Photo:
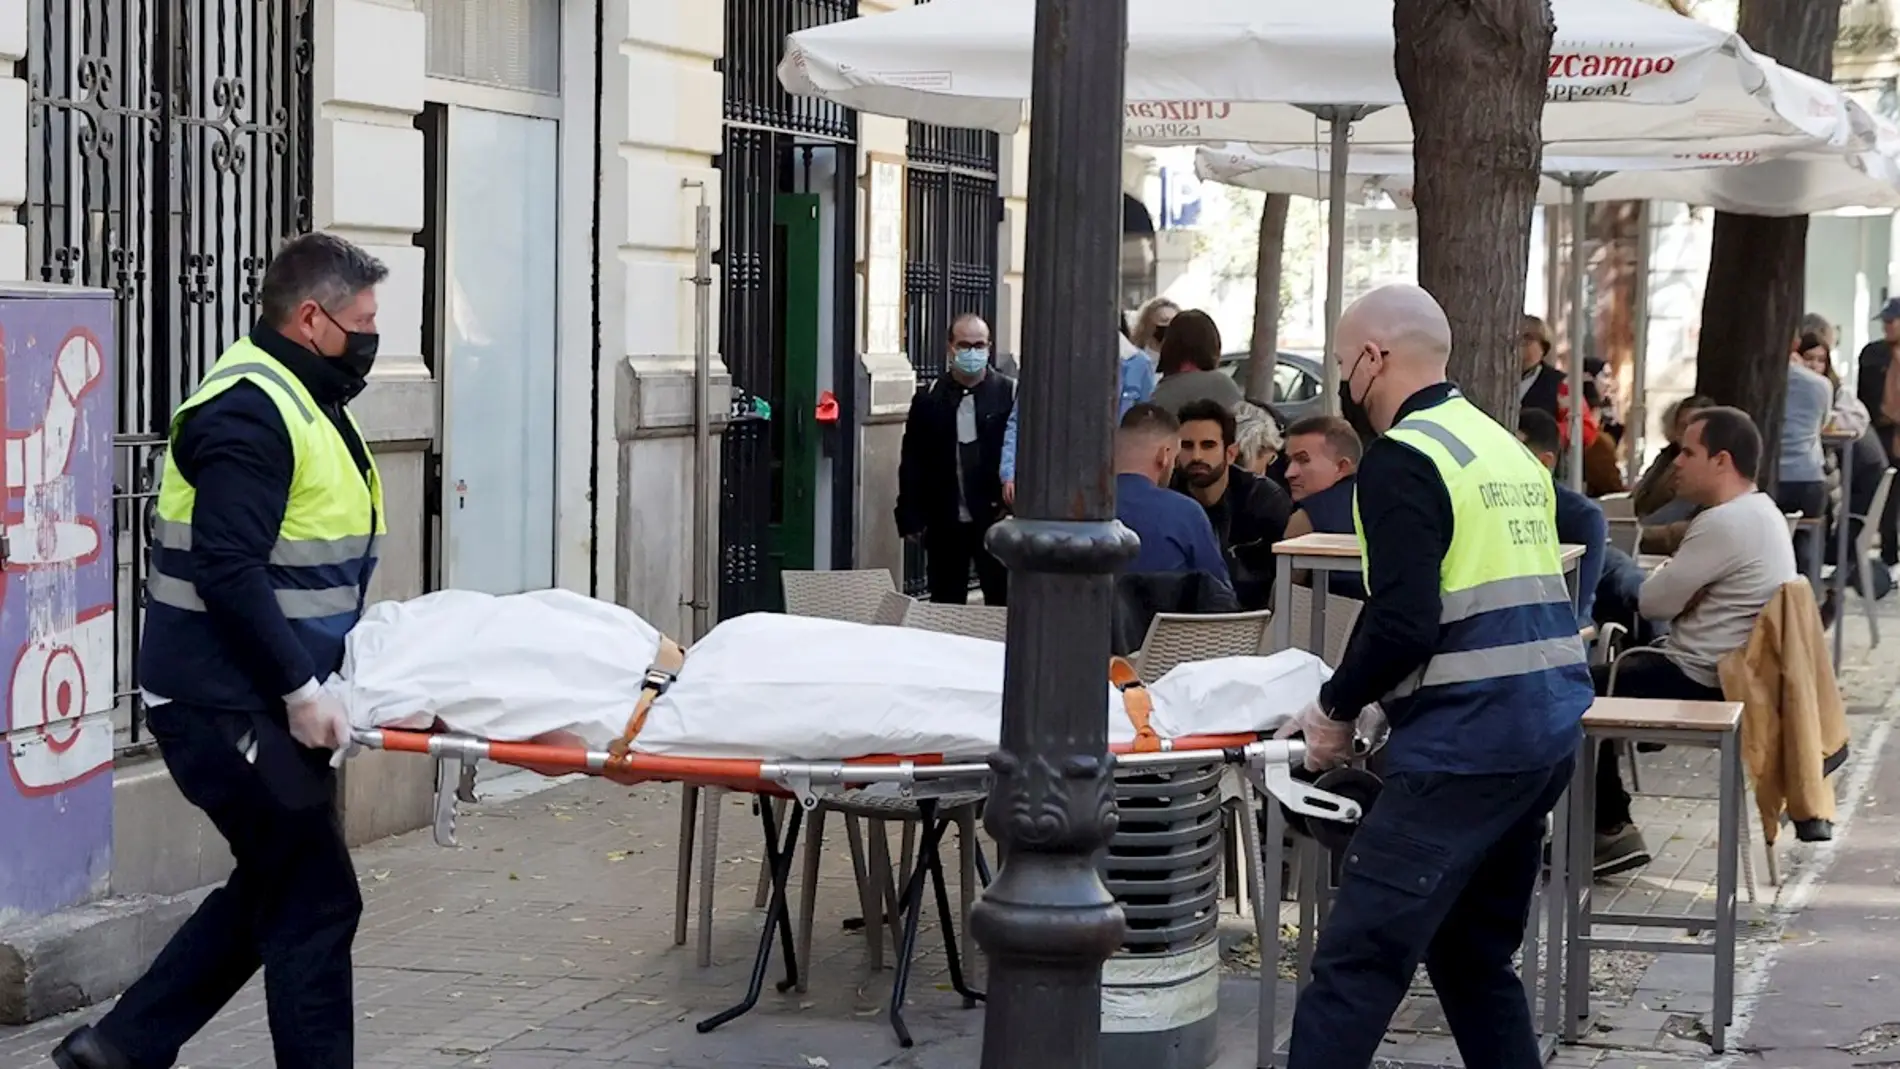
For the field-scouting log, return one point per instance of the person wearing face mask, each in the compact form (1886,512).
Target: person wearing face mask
(1468,642)
(269,518)
(949,469)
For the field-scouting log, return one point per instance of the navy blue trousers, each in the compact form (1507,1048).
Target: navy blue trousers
(290,907)
(1439,873)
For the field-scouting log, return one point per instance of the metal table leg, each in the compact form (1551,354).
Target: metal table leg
(1841,551)
(1556,893)
(1281,626)
(1263,863)
(1316,621)
(1576,1001)
(779,851)
(1729,844)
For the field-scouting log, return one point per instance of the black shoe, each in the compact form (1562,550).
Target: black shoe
(86,1049)
(1620,850)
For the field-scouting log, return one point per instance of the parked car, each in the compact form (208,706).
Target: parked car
(1297,383)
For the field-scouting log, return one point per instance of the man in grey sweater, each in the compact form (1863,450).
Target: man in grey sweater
(1736,555)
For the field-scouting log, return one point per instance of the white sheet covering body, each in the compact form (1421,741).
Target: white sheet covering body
(549,665)
(558,667)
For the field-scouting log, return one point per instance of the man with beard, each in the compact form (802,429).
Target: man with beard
(1248,512)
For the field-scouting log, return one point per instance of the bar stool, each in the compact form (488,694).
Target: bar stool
(1711,724)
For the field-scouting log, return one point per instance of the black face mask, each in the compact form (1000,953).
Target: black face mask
(359,349)
(1354,412)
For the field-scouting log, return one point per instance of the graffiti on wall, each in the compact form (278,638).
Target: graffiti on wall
(56,601)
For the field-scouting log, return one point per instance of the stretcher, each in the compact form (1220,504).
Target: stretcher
(1266,764)
(693,709)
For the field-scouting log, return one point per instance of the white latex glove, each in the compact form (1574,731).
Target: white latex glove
(319,721)
(1372,728)
(1328,741)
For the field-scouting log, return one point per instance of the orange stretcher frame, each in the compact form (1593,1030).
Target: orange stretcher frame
(743,774)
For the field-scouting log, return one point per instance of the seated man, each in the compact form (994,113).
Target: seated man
(1580,520)
(1175,534)
(1733,559)
(1248,512)
(1322,456)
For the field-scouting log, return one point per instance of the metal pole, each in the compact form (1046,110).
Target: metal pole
(1340,120)
(1047,923)
(705,490)
(1579,226)
(1637,420)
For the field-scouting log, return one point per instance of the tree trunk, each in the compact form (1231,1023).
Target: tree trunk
(1758,265)
(1474,73)
(1266,298)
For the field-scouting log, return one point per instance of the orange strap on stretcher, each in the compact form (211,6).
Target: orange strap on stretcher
(667,662)
(1136,702)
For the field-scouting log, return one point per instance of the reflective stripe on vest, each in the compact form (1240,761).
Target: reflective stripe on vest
(1505,609)
(326,542)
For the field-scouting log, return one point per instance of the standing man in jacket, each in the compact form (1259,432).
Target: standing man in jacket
(949,470)
(269,514)
(1469,643)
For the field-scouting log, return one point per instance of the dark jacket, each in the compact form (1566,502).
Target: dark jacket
(927,465)
(241,653)
(1330,512)
(1140,595)
(1871,386)
(1580,522)
(1543,391)
(1248,519)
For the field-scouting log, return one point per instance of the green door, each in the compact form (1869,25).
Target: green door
(795,449)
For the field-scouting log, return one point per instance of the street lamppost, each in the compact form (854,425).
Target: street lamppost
(1047,923)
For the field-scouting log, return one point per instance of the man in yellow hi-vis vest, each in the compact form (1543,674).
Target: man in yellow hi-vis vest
(1468,641)
(269,516)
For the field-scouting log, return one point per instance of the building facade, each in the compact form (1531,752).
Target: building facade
(532,172)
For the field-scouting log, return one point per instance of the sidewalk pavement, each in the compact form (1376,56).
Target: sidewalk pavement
(546,940)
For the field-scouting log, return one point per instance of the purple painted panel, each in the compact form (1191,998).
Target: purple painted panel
(56,600)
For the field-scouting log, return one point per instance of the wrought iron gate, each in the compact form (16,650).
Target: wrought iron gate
(952,213)
(774,143)
(168,154)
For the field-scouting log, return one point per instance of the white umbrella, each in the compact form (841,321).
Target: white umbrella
(1214,71)
(1746,183)
(1742,182)
(1623,76)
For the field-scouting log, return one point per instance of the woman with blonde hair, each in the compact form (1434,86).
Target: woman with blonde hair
(1151,325)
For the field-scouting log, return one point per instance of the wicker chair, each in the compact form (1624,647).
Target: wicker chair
(877,882)
(1618,506)
(855,596)
(1341,615)
(1863,550)
(1174,637)
(971,621)
(1625,533)
(892,608)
